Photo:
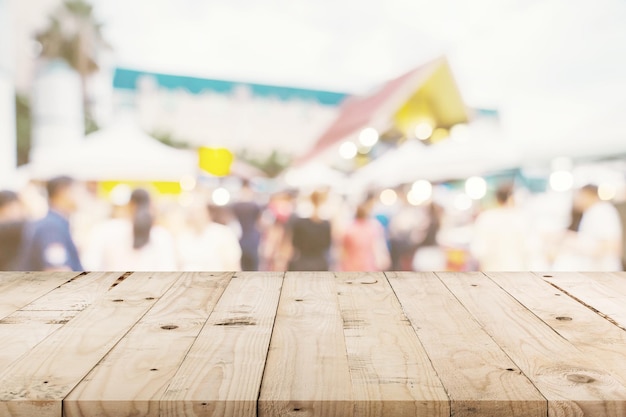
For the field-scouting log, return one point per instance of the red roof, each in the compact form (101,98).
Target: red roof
(359,112)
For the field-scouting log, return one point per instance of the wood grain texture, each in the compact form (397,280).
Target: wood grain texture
(479,377)
(221,374)
(591,333)
(37,383)
(77,293)
(21,288)
(23,329)
(573,383)
(312,344)
(307,371)
(150,354)
(604,292)
(390,371)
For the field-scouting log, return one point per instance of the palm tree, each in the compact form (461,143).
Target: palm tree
(75,36)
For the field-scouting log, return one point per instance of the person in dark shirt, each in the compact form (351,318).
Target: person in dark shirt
(47,244)
(12,222)
(248,213)
(311,240)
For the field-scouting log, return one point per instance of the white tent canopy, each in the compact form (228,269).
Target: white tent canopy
(121,152)
(314,175)
(443,161)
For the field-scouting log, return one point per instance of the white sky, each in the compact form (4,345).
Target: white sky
(556,69)
(497,47)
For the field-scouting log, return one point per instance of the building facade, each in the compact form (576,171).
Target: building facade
(236,115)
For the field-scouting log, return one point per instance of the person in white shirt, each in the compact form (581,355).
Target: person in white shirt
(597,244)
(132,242)
(500,235)
(207,245)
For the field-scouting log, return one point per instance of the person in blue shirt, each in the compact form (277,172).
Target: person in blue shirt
(47,244)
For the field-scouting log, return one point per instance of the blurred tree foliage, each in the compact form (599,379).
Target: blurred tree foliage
(74,35)
(168,139)
(272,165)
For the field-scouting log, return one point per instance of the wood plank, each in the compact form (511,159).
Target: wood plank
(592,334)
(28,326)
(307,369)
(36,384)
(221,375)
(602,291)
(479,377)
(615,280)
(150,354)
(22,330)
(390,371)
(78,293)
(21,288)
(573,383)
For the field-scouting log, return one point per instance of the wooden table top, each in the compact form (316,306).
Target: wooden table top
(312,344)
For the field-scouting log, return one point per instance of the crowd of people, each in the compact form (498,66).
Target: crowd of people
(319,230)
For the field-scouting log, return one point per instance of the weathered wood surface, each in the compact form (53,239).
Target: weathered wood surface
(312,344)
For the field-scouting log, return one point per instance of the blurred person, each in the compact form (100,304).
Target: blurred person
(131,242)
(275,247)
(499,240)
(12,224)
(561,249)
(248,213)
(225,216)
(310,239)
(207,245)
(405,230)
(34,199)
(620,204)
(429,256)
(596,245)
(364,247)
(47,244)
(93,210)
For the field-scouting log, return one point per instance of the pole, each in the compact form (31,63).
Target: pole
(8,142)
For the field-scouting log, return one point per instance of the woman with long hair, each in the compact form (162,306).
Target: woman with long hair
(132,242)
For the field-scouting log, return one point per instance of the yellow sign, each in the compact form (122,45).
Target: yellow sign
(215,161)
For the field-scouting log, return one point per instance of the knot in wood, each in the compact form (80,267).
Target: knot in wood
(580,378)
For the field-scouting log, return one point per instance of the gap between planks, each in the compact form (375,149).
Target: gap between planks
(580,301)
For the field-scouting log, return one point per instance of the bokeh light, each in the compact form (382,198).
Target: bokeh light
(220,196)
(423,131)
(561,181)
(607,191)
(420,192)
(476,187)
(120,194)
(460,133)
(187,183)
(368,136)
(388,197)
(348,150)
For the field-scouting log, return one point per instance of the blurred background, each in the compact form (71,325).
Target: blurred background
(301,134)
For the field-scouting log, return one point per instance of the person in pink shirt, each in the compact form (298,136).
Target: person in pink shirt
(364,247)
